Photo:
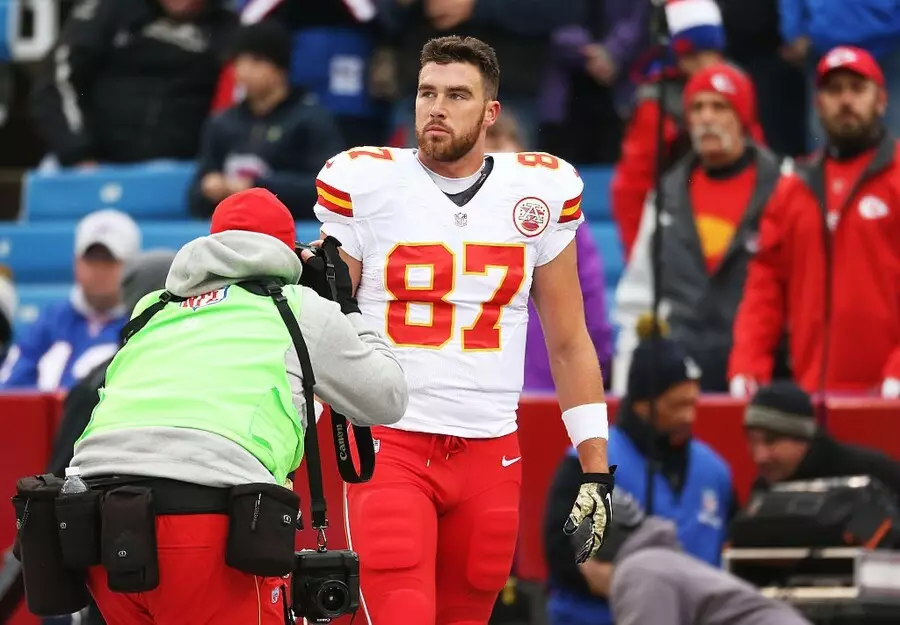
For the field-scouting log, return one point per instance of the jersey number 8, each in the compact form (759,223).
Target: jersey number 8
(484,333)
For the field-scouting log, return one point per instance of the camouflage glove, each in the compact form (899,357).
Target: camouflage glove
(591,514)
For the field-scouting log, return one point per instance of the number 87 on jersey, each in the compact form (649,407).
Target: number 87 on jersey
(438,274)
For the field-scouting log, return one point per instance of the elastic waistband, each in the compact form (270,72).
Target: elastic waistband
(171,496)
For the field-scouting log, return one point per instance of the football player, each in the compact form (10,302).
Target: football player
(445,245)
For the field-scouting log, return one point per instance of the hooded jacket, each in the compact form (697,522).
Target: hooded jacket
(356,371)
(685,591)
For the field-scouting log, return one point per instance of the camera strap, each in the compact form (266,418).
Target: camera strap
(363,435)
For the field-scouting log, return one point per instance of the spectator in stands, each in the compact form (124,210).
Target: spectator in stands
(518,31)
(753,42)
(787,444)
(697,40)
(691,482)
(504,136)
(588,81)
(812,28)
(71,337)
(649,580)
(277,138)
(131,80)
(828,265)
(341,50)
(712,202)
(8,304)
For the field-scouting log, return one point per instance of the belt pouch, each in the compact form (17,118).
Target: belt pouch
(78,522)
(51,588)
(128,539)
(261,529)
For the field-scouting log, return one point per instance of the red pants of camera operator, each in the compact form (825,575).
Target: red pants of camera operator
(435,528)
(195,584)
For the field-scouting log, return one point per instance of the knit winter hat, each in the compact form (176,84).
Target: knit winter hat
(729,82)
(694,26)
(734,85)
(255,210)
(267,40)
(666,364)
(782,408)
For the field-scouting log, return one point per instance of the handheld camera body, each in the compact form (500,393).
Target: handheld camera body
(325,584)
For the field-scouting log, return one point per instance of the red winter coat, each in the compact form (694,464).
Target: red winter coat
(858,334)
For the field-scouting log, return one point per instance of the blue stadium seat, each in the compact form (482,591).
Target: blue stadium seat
(42,252)
(32,298)
(7,8)
(595,203)
(147,191)
(606,236)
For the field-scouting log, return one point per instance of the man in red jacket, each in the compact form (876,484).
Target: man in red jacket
(697,40)
(828,265)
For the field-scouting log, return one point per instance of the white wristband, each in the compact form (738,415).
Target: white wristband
(586,421)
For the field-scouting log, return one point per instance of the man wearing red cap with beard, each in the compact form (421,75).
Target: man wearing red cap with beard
(828,266)
(713,199)
(207,395)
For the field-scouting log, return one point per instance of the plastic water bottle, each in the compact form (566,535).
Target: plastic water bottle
(73,484)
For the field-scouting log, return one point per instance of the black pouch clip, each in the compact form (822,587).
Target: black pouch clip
(51,587)
(262,522)
(128,540)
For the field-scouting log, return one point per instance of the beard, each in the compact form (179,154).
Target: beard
(848,129)
(446,148)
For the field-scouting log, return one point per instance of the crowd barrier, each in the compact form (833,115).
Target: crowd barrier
(29,422)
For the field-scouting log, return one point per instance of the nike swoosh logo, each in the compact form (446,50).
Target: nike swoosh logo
(509,462)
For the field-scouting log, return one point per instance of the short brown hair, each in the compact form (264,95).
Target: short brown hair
(455,49)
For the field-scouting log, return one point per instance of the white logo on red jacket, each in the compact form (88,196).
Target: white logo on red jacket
(871,207)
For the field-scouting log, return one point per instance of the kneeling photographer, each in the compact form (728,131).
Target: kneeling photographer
(185,512)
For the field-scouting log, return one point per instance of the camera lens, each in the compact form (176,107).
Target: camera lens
(333,598)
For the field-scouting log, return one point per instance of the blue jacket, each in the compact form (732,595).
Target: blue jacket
(61,347)
(699,511)
(873,25)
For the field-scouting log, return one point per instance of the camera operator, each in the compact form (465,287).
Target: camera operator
(203,415)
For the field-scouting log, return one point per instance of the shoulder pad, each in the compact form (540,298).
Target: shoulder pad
(556,178)
(352,173)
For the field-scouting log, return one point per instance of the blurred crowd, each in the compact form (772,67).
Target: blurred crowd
(770,127)
(756,137)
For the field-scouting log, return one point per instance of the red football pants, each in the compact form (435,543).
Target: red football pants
(195,584)
(435,528)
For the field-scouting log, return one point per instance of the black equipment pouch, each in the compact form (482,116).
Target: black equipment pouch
(128,539)
(262,521)
(51,588)
(78,522)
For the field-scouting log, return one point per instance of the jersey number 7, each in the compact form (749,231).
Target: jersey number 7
(484,333)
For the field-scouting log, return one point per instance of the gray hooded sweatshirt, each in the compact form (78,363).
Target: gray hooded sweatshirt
(654,582)
(356,371)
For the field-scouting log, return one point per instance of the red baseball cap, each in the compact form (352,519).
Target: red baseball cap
(852,59)
(255,210)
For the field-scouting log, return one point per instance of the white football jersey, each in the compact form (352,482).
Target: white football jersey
(448,284)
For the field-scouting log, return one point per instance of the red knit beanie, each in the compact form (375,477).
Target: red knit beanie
(732,84)
(255,210)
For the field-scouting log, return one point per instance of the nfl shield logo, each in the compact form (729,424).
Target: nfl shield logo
(461,220)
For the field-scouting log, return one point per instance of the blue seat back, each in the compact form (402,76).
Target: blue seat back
(7,20)
(606,236)
(42,252)
(152,191)
(595,203)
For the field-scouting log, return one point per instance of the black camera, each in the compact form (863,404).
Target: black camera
(325,584)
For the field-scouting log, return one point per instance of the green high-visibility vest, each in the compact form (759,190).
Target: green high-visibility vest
(215,363)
